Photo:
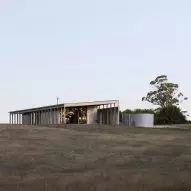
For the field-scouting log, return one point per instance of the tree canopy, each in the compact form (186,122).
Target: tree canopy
(164,93)
(170,115)
(167,97)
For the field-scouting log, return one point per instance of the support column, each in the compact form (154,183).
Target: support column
(118,116)
(35,118)
(50,117)
(56,116)
(14,119)
(31,118)
(39,117)
(98,113)
(53,116)
(55,122)
(61,115)
(46,118)
(78,115)
(20,119)
(17,118)
(9,118)
(110,114)
(101,116)
(107,115)
(114,115)
(64,114)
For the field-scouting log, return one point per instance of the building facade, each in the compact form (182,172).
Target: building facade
(100,112)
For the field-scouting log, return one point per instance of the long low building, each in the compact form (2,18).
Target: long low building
(100,112)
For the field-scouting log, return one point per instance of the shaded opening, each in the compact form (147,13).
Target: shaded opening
(76,115)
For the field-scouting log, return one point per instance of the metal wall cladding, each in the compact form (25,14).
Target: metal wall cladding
(138,120)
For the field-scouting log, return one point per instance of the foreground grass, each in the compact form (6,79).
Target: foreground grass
(97,159)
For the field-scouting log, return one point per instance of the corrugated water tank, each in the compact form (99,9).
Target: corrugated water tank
(139,120)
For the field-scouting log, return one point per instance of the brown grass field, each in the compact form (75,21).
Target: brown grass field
(94,159)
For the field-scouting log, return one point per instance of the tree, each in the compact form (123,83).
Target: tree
(165,94)
(170,115)
(129,111)
(150,111)
(162,116)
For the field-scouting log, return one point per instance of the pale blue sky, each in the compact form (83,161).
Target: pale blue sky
(91,50)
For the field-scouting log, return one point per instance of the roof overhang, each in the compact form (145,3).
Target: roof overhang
(67,105)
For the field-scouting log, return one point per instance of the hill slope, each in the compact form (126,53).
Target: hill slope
(49,159)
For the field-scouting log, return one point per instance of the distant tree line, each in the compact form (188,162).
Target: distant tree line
(164,116)
(167,98)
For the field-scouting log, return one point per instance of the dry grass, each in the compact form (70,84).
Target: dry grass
(97,159)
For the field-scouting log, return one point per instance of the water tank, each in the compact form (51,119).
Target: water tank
(139,120)
(142,120)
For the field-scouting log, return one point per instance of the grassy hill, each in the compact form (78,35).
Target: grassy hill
(97,159)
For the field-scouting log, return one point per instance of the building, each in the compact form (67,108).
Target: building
(100,112)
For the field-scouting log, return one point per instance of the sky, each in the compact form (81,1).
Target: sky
(91,50)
